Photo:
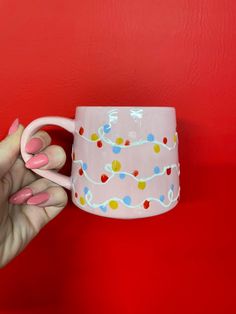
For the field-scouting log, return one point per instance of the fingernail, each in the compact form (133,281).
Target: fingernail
(34,145)
(37,161)
(21,196)
(38,198)
(13,127)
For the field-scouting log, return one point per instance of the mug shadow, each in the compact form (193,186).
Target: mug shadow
(198,178)
(193,175)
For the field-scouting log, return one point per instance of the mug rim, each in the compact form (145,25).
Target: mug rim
(128,106)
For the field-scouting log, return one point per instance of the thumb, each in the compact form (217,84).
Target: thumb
(10,147)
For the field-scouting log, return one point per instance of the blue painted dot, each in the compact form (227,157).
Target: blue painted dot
(116,149)
(84,166)
(86,189)
(127,200)
(122,175)
(106,128)
(103,208)
(162,197)
(156,170)
(172,187)
(150,137)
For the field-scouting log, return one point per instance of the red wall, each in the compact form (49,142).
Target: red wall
(57,54)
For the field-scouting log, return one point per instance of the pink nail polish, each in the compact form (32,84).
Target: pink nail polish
(38,198)
(37,161)
(21,196)
(34,145)
(13,127)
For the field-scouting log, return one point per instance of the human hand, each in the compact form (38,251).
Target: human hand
(27,201)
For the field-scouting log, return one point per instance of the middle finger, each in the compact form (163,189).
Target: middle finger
(52,157)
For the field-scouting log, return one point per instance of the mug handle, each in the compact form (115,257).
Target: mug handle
(34,126)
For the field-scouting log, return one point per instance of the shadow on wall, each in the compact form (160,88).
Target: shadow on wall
(196,177)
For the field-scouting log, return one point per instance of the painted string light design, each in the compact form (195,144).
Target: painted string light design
(126,200)
(115,169)
(120,143)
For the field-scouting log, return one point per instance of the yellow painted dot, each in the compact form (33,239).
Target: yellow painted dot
(94,137)
(141,185)
(175,138)
(116,165)
(82,200)
(156,148)
(113,204)
(119,140)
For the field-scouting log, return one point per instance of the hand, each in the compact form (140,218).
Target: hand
(38,200)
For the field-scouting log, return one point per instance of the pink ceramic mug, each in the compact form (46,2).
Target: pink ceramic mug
(124,159)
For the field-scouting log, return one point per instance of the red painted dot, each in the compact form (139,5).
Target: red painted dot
(165,140)
(99,144)
(135,173)
(168,171)
(73,156)
(127,143)
(76,194)
(81,130)
(104,178)
(146,204)
(81,171)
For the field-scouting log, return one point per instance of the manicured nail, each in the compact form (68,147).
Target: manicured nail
(13,127)
(37,161)
(34,145)
(38,198)
(21,196)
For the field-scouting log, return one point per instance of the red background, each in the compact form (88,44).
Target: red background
(57,54)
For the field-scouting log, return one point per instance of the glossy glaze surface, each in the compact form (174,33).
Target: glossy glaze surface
(125,161)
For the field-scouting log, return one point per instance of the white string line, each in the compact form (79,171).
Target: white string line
(137,143)
(88,198)
(108,168)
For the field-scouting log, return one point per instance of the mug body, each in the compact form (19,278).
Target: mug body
(125,161)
